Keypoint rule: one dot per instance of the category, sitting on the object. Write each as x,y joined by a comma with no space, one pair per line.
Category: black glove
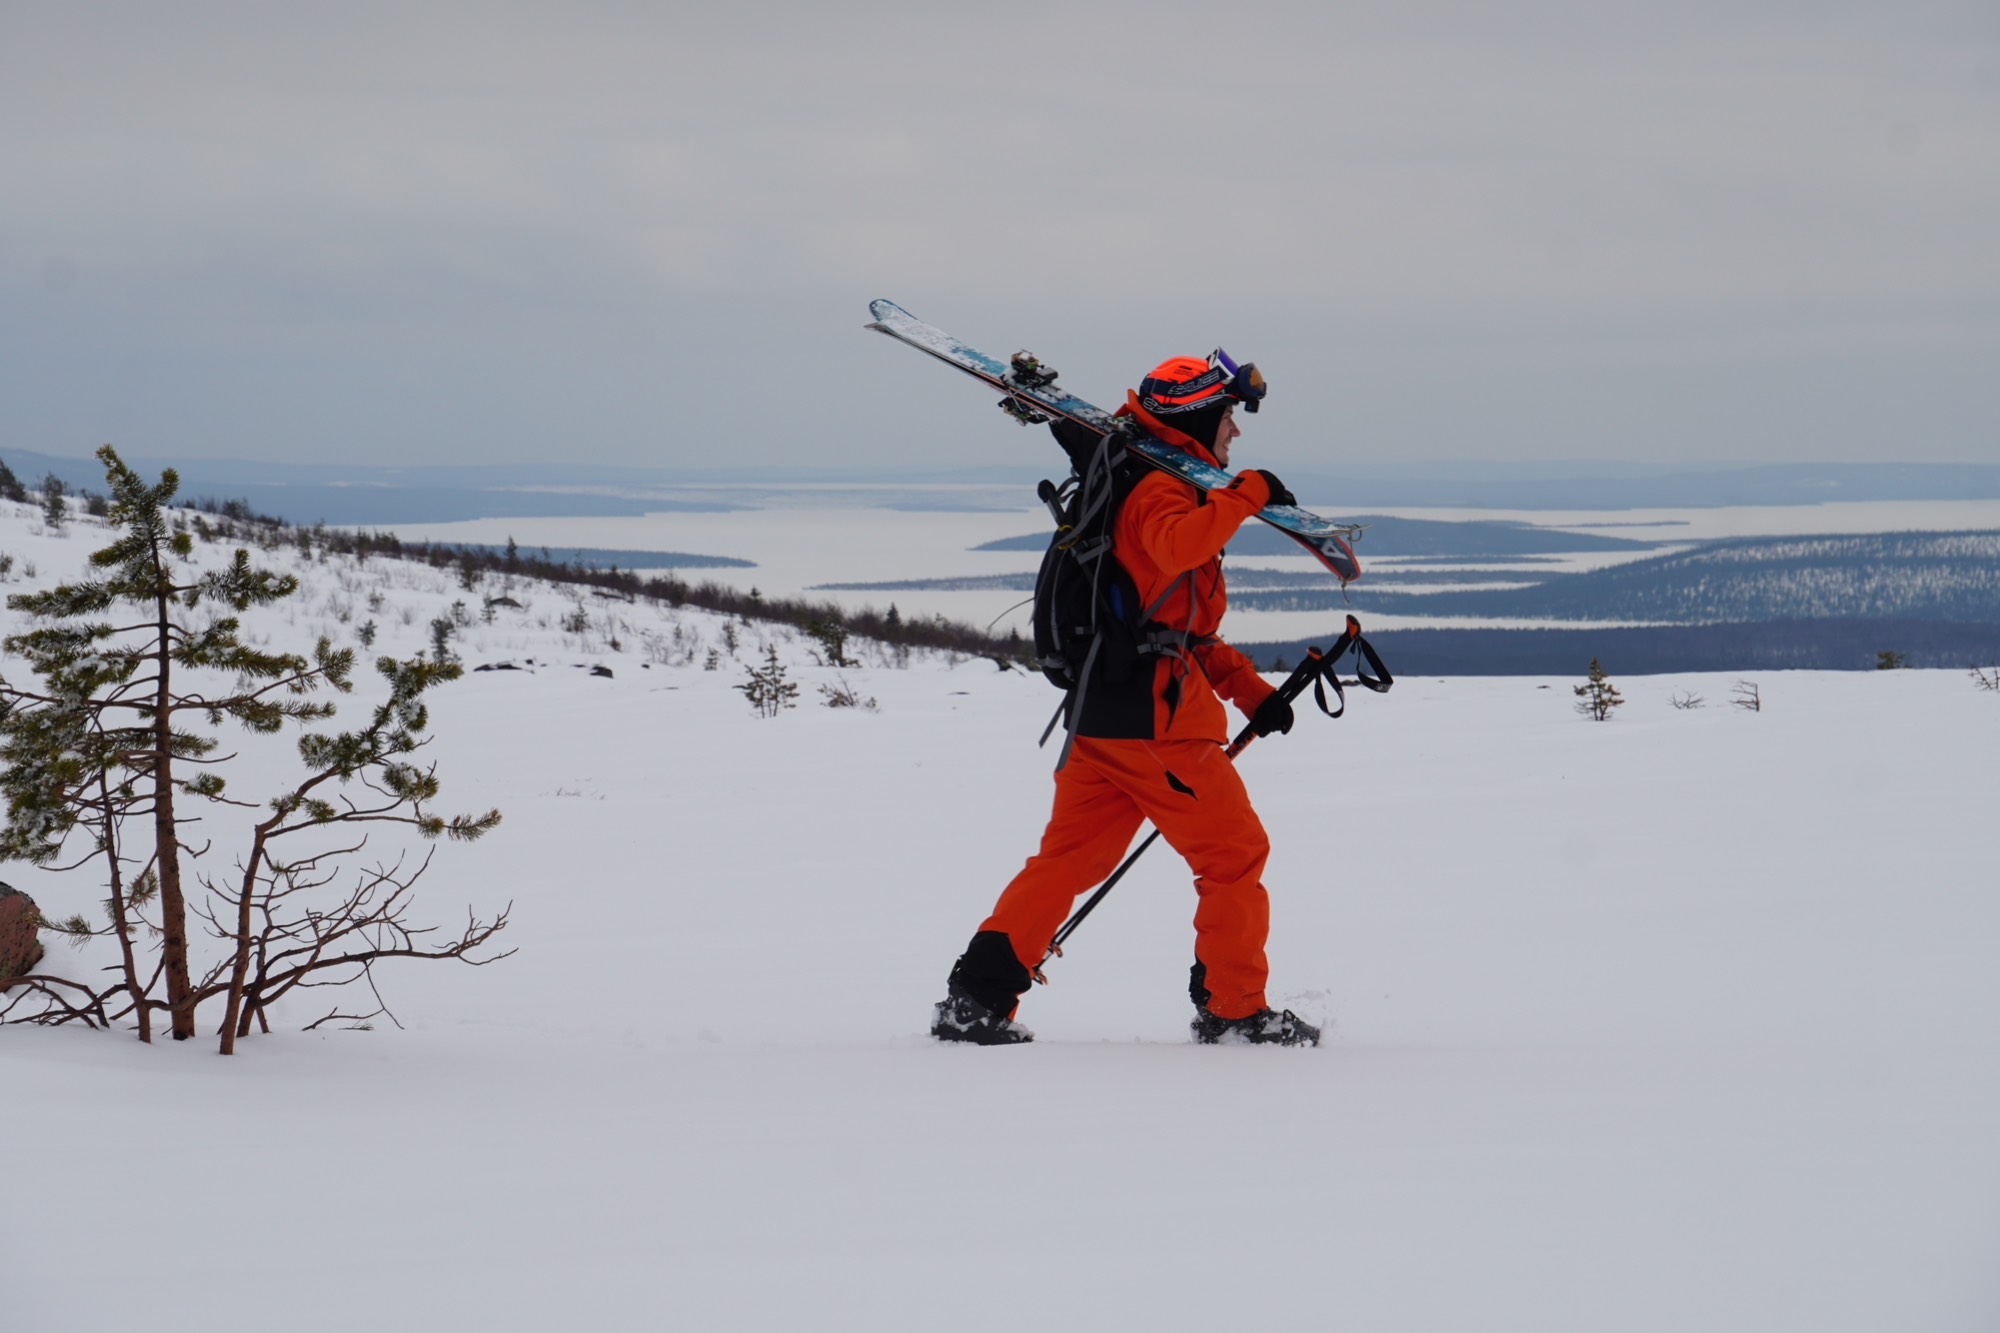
1280,493
1274,714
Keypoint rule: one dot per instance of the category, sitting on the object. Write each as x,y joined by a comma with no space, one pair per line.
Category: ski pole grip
1289,689
1295,684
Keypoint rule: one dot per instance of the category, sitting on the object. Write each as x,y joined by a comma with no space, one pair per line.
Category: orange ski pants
1192,793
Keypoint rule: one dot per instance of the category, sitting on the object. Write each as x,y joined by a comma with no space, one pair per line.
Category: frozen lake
799,547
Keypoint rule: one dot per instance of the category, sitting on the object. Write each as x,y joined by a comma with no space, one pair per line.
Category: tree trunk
166,836
240,970
119,918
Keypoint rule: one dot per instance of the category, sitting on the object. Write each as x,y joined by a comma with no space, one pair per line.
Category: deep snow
1684,1021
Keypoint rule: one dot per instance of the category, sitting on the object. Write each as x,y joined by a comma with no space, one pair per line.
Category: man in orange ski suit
1157,753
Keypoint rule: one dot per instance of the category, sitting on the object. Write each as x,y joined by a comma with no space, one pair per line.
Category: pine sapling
54,512
831,636
767,689
442,629
1598,695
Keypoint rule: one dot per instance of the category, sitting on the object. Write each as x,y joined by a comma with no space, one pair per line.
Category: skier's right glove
1274,714
1280,493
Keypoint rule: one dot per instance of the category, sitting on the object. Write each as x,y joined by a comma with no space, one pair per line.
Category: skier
1151,747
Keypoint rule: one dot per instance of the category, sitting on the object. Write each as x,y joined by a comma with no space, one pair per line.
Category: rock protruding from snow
20,942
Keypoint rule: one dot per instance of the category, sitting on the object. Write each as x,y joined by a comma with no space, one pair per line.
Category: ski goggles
1246,383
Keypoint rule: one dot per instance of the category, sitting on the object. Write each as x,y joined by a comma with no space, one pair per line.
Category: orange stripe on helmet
1180,369
1182,382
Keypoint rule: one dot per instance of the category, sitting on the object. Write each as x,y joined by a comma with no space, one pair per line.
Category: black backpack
1090,625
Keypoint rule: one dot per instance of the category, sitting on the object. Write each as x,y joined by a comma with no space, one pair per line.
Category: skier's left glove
1274,714
1280,493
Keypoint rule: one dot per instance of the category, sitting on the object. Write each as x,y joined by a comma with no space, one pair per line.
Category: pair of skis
1030,395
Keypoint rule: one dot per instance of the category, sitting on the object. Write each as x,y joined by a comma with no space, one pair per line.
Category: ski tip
883,309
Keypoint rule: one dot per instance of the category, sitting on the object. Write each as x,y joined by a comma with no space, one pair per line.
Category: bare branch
57,1008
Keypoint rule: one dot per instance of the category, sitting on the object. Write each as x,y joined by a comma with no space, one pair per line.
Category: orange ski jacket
1167,529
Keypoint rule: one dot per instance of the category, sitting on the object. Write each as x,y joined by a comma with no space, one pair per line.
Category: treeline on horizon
1948,576
1777,645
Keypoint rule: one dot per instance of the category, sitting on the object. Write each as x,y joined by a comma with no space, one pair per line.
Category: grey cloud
624,230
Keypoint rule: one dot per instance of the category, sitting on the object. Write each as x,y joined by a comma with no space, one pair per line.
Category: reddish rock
20,946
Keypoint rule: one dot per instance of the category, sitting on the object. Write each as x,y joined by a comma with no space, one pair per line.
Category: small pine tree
10,486
831,636
117,739
1599,696
767,689
54,512
1890,660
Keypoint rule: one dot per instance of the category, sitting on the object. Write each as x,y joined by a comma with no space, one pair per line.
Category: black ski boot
984,986
1268,1027
959,1017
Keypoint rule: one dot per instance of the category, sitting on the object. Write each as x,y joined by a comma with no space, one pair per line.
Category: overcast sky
647,234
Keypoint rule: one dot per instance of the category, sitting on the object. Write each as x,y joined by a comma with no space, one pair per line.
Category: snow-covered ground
1688,1021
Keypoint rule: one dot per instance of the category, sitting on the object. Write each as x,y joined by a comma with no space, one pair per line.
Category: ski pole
1317,667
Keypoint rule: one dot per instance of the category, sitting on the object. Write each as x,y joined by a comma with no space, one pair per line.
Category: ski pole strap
1302,675
1363,651
1319,693
1381,680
